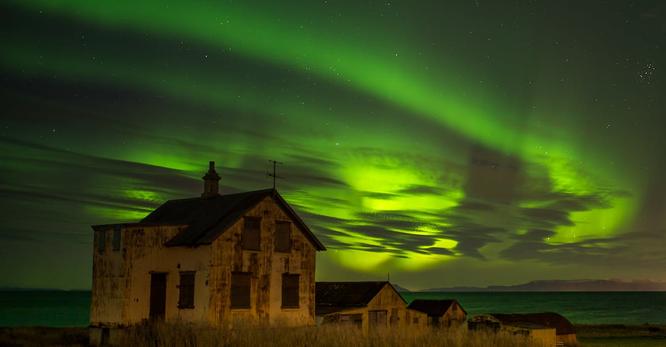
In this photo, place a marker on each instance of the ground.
(588, 335)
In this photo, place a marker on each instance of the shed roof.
(208, 217)
(337, 296)
(547, 319)
(436, 308)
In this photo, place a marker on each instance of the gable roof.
(547, 319)
(337, 296)
(206, 218)
(436, 308)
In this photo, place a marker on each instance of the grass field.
(193, 335)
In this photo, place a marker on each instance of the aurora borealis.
(446, 143)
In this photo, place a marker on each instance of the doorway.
(157, 295)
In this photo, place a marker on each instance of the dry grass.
(182, 334)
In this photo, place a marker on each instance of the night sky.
(449, 143)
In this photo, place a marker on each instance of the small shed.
(564, 330)
(441, 313)
(550, 328)
(367, 305)
(542, 335)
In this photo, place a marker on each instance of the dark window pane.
(251, 235)
(377, 318)
(290, 287)
(186, 286)
(282, 237)
(101, 241)
(240, 290)
(116, 238)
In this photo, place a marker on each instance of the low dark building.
(367, 305)
(441, 313)
(533, 323)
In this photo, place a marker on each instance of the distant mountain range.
(561, 286)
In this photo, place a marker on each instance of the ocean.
(71, 308)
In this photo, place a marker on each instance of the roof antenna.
(274, 174)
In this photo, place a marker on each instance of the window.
(101, 241)
(377, 318)
(290, 288)
(283, 237)
(250, 238)
(186, 286)
(116, 238)
(240, 290)
(394, 317)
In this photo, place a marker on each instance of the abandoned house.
(441, 313)
(549, 328)
(367, 305)
(214, 258)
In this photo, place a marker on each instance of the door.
(157, 295)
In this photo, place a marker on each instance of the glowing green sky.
(465, 143)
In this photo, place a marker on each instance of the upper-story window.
(101, 241)
(282, 236)
(251, 235)
(116, 238)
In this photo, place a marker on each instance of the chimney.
(211, 182)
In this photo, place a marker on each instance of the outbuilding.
(564, 330)
(549, 328)
(367, 305)
(441, 313)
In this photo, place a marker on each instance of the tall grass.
(186, 334)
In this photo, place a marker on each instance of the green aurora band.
(393, 171)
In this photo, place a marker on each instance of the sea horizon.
(71, 308)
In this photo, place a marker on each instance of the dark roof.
(208, 217)
(547, 319)
(433, 307)
(337, 296)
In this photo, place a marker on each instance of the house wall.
(109, 282)
(453, 316)
(544, 337)
(121, 279)
(266, 267)
(567, 340)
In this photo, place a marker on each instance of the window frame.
(190, 304)
(284, 293)
(232, 305)
(245, 233)
(277, 234)
(101, 241)
(116, 240)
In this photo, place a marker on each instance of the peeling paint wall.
(122, 278)
(267, 268)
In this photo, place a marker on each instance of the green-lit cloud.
(402, 154)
